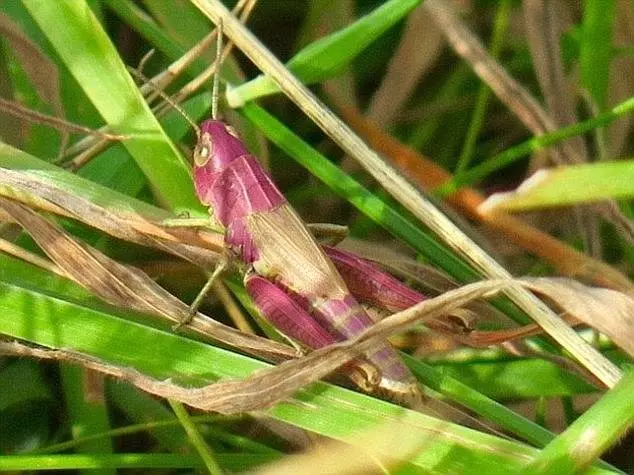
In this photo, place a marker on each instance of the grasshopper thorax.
(218, 146)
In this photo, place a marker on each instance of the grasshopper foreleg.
(193, 308)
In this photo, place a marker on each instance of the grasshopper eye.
(203, 151)
(232, 131)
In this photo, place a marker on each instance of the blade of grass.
(87, 411)
(148, 413)
(328, 410)
(564, 186)
(596, 48)
(484, 93)
(195, 438)
(324, 58)
(533, 145)
(92, 59)
(166, 425)
(188, 25)
(146, 26)
(591, 434)
(233, 462)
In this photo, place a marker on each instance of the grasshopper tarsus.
(182, 323)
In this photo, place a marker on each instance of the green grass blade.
(328, 410)
(203, 449)
(591, 434)
(87, 411)
(90, 56)
(502, 18)
(145, 25)
(233, 462)
(596, 48)
(188, 27)
(570, 185)
(324, 58)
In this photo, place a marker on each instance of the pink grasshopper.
(295, 283)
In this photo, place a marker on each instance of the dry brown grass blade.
(317, 25)
(118, 219)
(544, 23)
(428, 175)
(18, 110)
(417, 51)
(126, 286)
(266, 387)
(621, 74)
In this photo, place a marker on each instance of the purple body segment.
(345, 315)
(239, 189)
(293, 283)
(284, 313)
(370, 285)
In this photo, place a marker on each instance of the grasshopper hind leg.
(286, 314)
(297, 324)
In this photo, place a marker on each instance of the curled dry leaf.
(609, 311)
(278, 383)
(126, 286)
(266, 387)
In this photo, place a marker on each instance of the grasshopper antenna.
(215, 89)
(139, 75)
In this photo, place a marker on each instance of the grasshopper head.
(218, 145)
